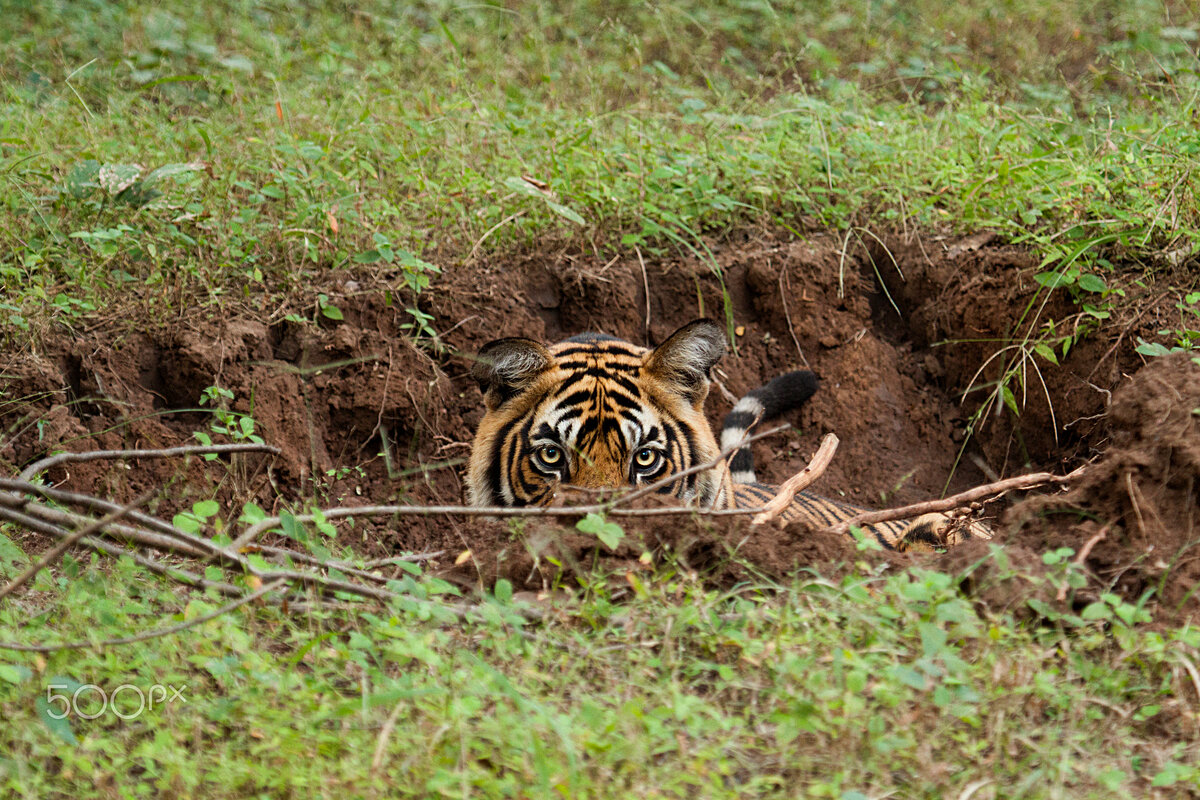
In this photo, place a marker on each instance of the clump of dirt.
(1136, 506)
(364, 414)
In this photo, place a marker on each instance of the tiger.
(597, 412)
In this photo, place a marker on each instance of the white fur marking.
(750, 405)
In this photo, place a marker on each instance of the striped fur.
(598, 412)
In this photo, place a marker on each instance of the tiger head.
(596, 412)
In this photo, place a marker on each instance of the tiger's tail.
(782, 394)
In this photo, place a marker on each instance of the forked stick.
(957, 500)
(798, 482)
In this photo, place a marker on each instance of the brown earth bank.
(898, 330)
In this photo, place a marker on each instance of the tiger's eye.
(645, 457)
(550, 455)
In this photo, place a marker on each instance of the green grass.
(651, 126)
(858, 688)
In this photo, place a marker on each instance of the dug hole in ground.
(897, 331)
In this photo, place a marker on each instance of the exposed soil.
(333, 395)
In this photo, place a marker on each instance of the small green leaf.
(252, 513)
(1045, 351)
(1052, 280)
(206, 508)
(292, 527)
(1010, 400)
(14, 673)
(169, 170)
(407, 259)
(1092, 283)
(1146, 712)
(186, 522)
(563, 211)
(609, 533)
(116, 178)
(908, 676)
(522, 186)
(1153, 349)
(503, 590)
(331, 312)
(1170, 774)
(1112, 779)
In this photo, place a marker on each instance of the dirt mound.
(365, 413)
(1138, 502)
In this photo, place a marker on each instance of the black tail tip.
(788, 391)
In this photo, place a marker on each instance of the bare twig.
(783, 278)
(157, 567)
(114, 530)
(170, 452)
(49, 517)
(313, 561)
(475, 248)
(955, 501)
(798, 482)
(413, 558)
(55, 552)
(1086, 550)
(93, 503)
(385, 733)
(1079, 559)
(323, 583)
(154, 634)
(646, 287)
(185, 543)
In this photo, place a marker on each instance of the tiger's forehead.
(595, 374)
(597, 351)
(596, 398)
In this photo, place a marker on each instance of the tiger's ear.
(684, 360)
(506, 366)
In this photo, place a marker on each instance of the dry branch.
(798, 482)
(37, 517)
(412, 558)
(956, 501)
(313, 561)
(100, 546)
(159, 535)
(113, 530)
(56, 552)
(170, 452)
(93, 503)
